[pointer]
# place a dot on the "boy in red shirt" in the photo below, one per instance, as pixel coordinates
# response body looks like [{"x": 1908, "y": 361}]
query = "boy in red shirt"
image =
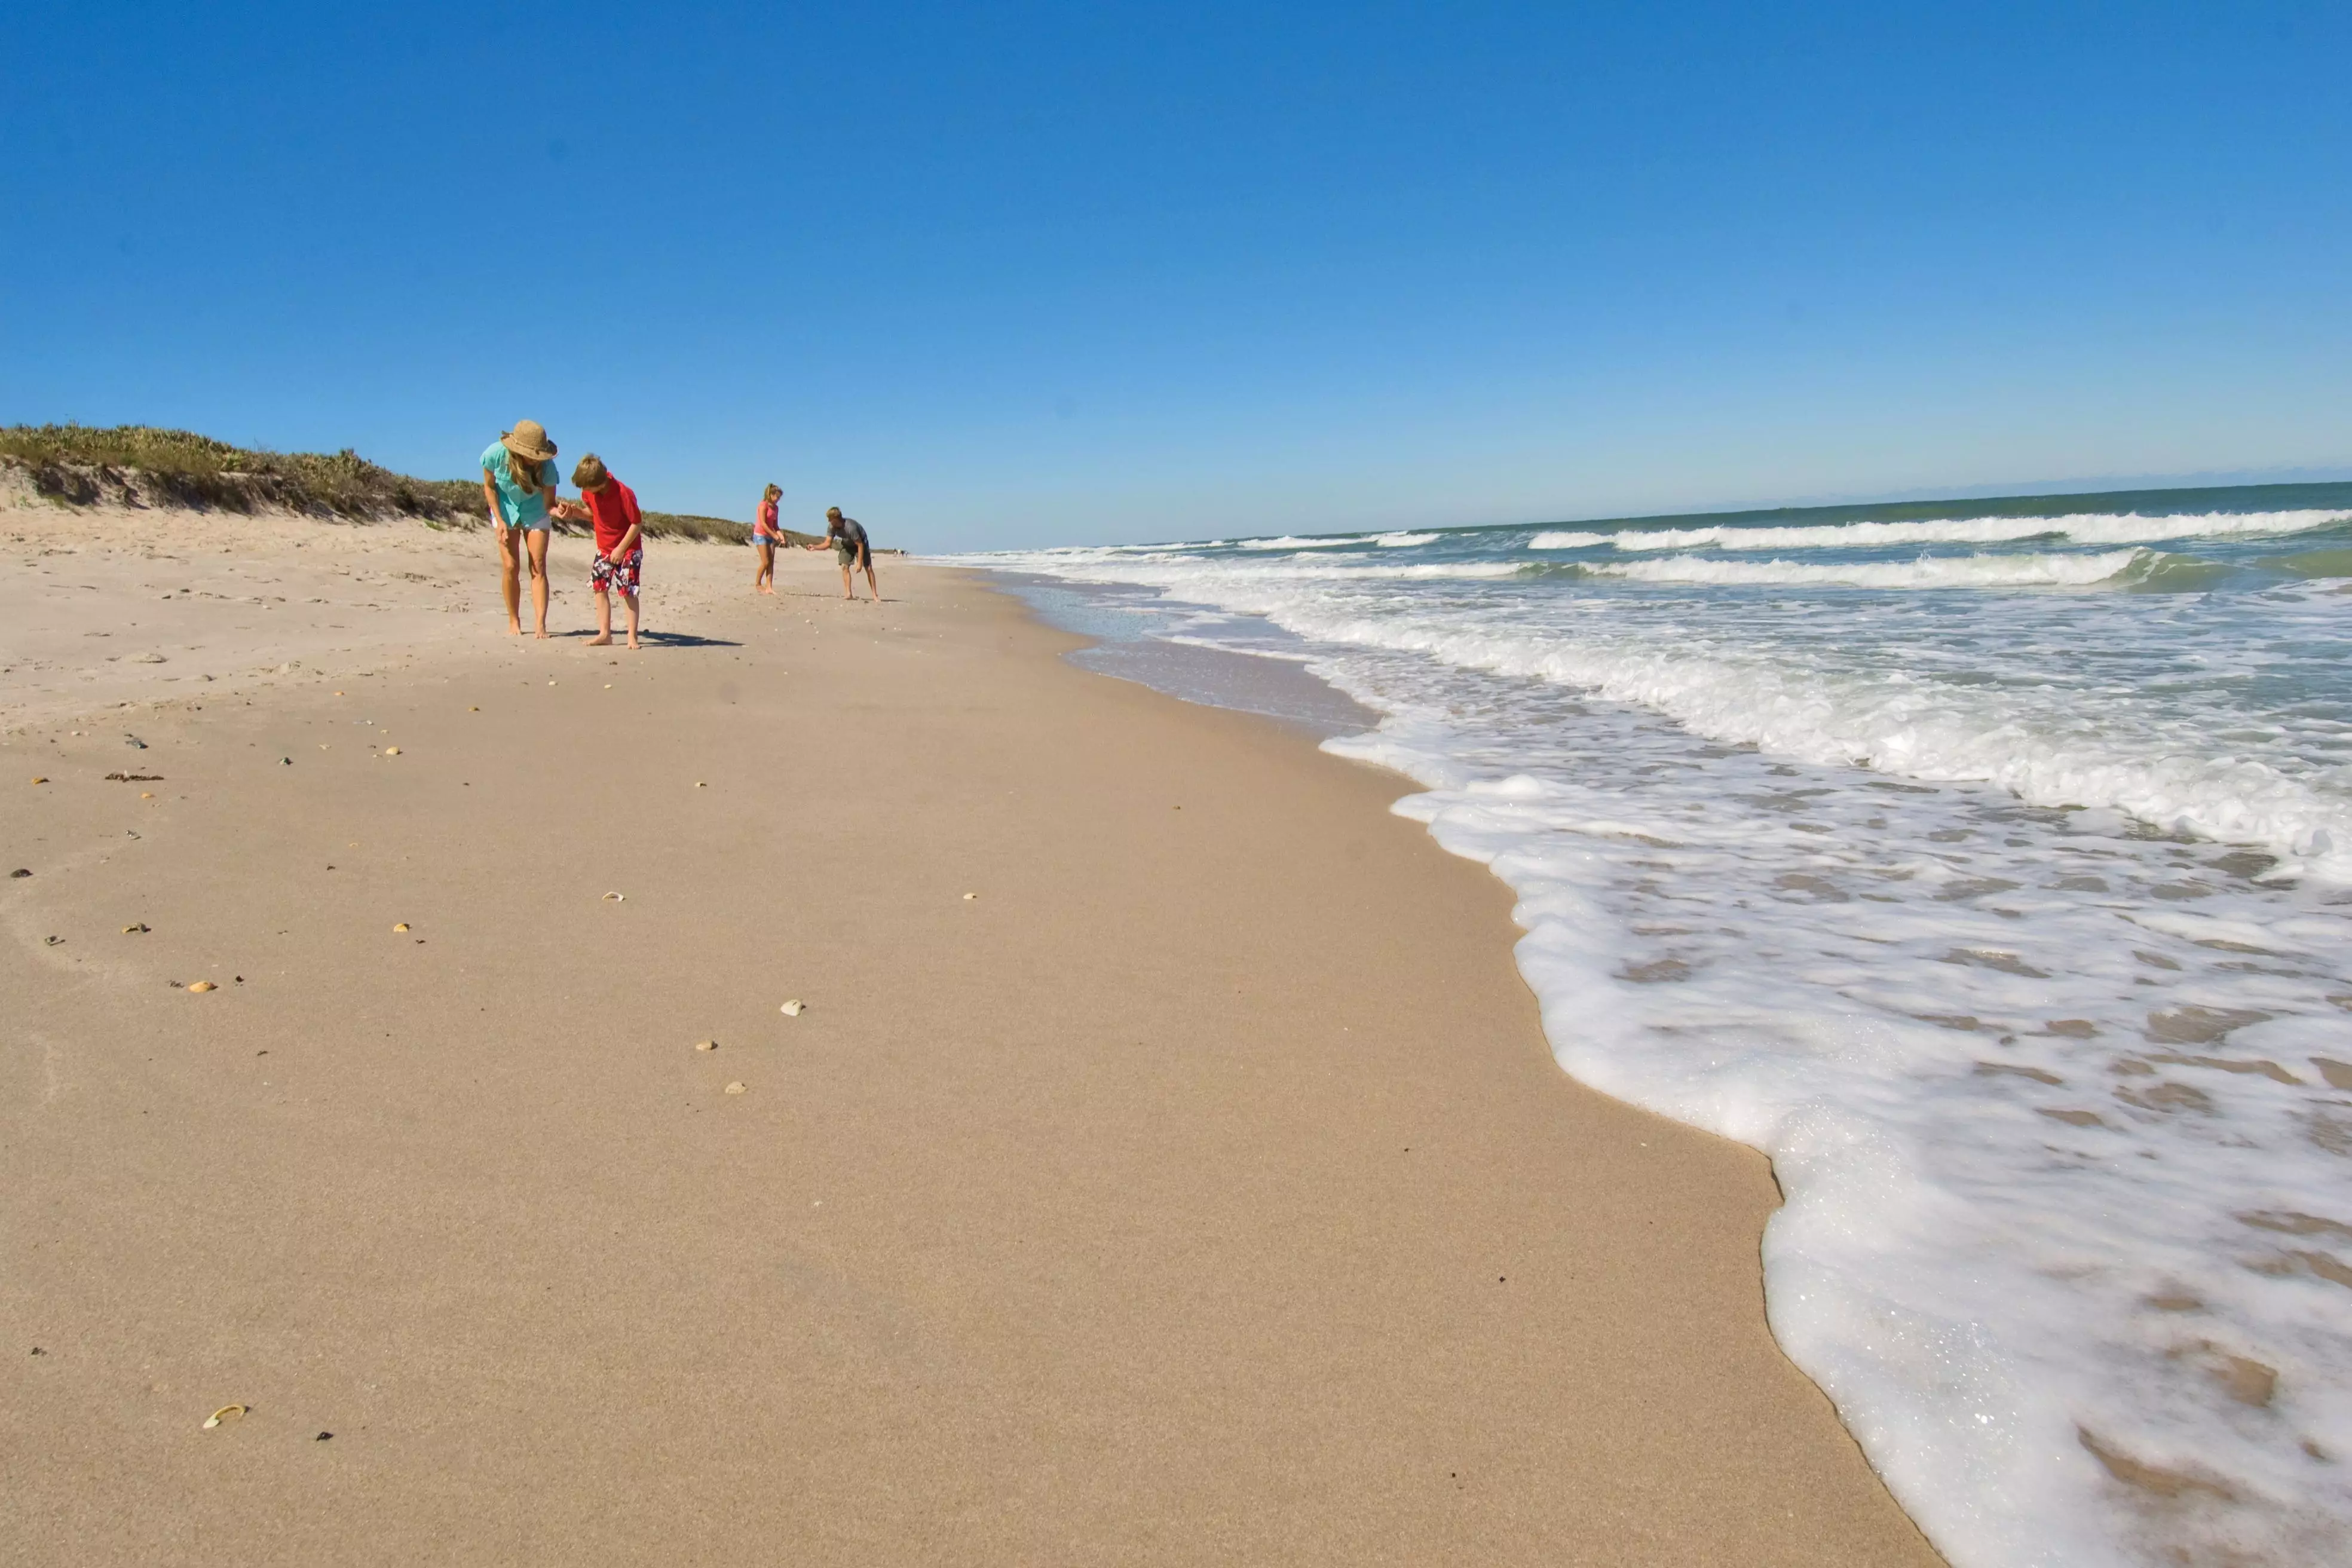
[{"x": 620, "y": 554}]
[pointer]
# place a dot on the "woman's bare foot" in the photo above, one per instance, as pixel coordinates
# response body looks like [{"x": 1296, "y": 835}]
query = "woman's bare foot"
[{"x": 604, "y": 641}]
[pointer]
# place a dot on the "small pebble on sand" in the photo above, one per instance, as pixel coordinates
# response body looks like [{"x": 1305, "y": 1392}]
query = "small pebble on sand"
[{"x": 734, "y": 1088}]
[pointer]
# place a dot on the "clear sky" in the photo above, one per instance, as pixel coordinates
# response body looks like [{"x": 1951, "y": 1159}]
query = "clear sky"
[{"x": 1004, "y": 273}]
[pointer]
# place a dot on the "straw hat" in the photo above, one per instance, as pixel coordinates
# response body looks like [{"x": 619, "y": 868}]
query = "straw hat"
[{"x": 528, "y": 440}]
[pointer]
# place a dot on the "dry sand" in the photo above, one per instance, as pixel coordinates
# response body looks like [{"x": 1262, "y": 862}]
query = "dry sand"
[{"x": 1201, "y": 1192}]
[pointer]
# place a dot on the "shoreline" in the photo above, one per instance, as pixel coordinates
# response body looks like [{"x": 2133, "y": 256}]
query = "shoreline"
[{"x": 1204, "y": 1190}]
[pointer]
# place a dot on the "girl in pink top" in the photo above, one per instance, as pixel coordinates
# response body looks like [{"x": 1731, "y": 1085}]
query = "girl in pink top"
[{"x": 765, "y": 536}]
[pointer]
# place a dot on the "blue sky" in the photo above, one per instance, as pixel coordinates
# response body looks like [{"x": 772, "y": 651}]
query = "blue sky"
[{"x": 1009, "y": 274}]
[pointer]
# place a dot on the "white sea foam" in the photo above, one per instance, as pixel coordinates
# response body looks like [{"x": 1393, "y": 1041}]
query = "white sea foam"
[
  {"x": 1568, "y": 541},
  {"x": 2053, "y": 1186},
  {"x": 2080, "y": 529},
  {"x": 1403, "y": 540},
  {"x": 1288, "y": 543},
  {"x": 1926, "y": 572}
]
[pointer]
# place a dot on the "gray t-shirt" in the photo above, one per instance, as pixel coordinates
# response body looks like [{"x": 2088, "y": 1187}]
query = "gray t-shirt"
[{"x": 848, "y": 534}]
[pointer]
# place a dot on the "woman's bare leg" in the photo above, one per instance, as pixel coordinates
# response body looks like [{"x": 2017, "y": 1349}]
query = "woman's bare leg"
[
  {"x": 538, "y": 542},
  {"x": 510, "y": 578}
]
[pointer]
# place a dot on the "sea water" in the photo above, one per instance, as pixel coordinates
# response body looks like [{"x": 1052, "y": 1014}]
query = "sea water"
[{"x": 1993, "y": 874}]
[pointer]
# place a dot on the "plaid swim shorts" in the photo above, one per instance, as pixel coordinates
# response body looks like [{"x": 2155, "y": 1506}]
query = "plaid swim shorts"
[{"x": 605, "y": 575}]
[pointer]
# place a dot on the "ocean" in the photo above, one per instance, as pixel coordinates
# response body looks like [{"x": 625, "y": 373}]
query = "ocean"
[{"x": 1986, "y": 864}]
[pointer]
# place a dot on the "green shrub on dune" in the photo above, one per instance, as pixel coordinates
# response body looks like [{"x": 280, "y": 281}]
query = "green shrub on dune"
[{"x": 141, "y": 466}]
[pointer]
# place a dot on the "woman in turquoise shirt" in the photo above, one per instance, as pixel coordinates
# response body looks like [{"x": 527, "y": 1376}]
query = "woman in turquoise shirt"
[{"x": 519, "y": 481}]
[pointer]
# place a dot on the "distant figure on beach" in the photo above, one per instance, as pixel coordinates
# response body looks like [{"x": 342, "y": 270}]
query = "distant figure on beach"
[
  {"x": 620, "y": 544},
  {"x": 850, "y": 548},
  {"x": 766, "y": 537},
  {"x": 519, "y": 481}
]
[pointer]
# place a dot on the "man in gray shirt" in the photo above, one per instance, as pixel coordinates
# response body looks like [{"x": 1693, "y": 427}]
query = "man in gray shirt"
[{"x": 850, "y": 548}]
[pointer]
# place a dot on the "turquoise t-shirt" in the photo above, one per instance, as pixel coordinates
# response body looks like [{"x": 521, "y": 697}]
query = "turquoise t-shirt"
[{"x": 518, "y": 509}]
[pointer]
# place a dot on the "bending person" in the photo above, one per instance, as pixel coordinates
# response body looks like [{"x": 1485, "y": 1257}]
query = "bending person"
[
  {"x": 519, "y": 481},
  {"x": 850, "y": 550},
  {"x": 611, "y": 507},
  {"x": 767, "y": 536}
]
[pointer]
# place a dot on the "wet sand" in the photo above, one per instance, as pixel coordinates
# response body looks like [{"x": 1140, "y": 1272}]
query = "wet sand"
[{"x": 1204, "y": 1190}]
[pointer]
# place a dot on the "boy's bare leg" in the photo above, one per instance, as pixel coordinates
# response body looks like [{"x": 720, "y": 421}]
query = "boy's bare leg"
[
  {"x": 604, "y": 637},
  {"x": 631, "y": 600},
  {"x": 509, "y": 579},
  {"x": 538, "y": 542}
]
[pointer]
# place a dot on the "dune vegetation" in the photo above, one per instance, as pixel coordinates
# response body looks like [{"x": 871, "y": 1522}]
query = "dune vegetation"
[{"x": 140, "y": 465}]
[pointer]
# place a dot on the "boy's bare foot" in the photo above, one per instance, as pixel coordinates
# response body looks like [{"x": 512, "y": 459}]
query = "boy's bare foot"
[
  {"x": 604, "y": 641},
  {"x": 636, "y": 647}
]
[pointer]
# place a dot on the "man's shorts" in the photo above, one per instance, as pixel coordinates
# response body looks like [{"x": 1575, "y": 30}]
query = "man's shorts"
[
  {"x": 848, "y": 556},
  {"x": 605, "y": 575}
]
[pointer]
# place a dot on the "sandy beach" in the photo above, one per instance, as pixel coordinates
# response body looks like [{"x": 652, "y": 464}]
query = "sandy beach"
[{"x": 1166, "y": 1165}]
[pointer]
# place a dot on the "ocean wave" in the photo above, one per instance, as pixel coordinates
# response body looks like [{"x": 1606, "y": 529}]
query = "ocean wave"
[
  {"x": 1288, "y": 543},
  {"x": 1403, "y": 540},
  {"x": 2087, "y": 528},
  {"x": 1927, "y": 572},
  {"x": 2313, "y": 564},
  {"x": 1558, "y": 541}
]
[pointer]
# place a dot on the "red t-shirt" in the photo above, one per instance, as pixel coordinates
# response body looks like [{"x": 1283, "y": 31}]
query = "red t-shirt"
[{"x": 615, "y": 509}]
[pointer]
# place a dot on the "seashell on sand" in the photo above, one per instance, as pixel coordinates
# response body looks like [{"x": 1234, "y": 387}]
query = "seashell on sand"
[
  {"x": 791, "y": 1009},
  {"x": 204, "y": 986}
]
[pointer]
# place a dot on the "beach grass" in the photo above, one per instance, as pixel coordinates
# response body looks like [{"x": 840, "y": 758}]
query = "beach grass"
[{"x": 82, "y": 465}]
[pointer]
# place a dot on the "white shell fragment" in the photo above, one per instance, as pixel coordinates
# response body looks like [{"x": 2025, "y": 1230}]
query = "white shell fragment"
[
  {"x": 735, "y": 1089},
  {"x": 224, "y": 1415},
  {"x": 791, "y": 1009},
  {"x": 614, "y": 897},
  {"x": 706, "y": 1044}
]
